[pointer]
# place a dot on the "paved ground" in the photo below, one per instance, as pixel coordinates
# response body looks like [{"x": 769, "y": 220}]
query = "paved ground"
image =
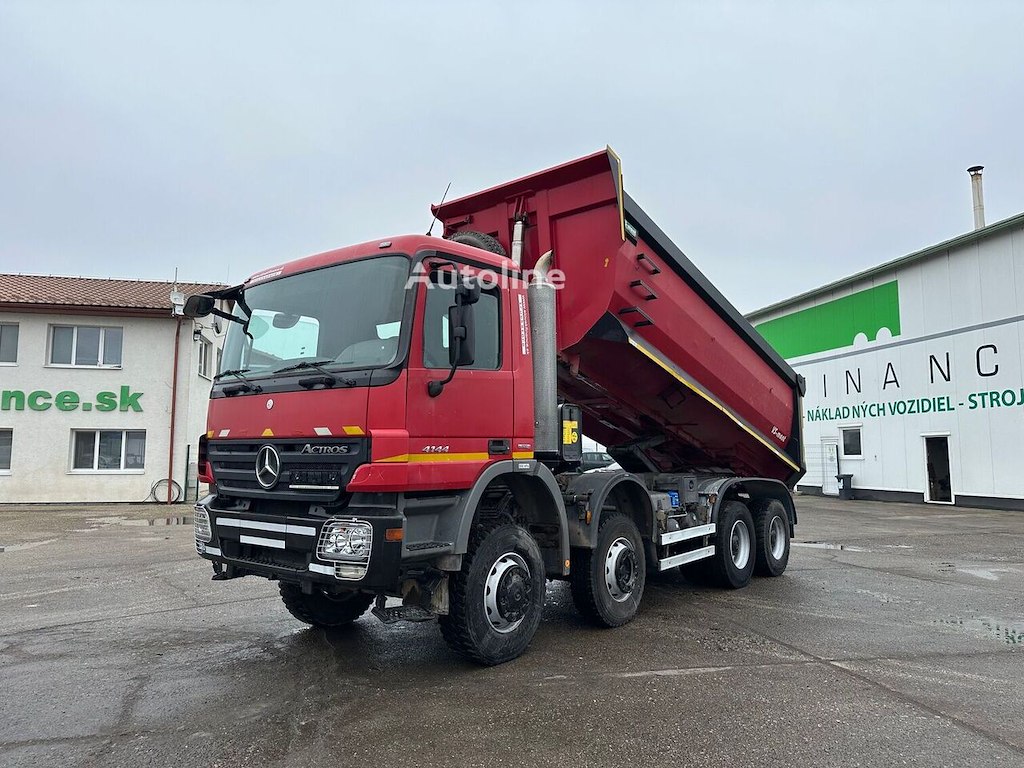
[{"x": 895, "y": 638}]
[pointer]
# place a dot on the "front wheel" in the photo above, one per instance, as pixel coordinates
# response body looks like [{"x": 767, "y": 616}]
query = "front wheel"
[
  {"x": 495, "y": 601},
  {"x": 734, "y": 558},
  {"x": 608, "y": 581},
  {"x": 324, "y": 609}
]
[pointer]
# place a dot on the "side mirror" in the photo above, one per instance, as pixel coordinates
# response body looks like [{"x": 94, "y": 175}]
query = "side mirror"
[
  {"x": 199, "y": 305},
  {"x": 469, "y": 292},
  {"x": 461, "y": 335}
]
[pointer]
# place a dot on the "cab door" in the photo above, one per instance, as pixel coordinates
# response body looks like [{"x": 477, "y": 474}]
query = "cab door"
[{"x": 470, "y": 423}]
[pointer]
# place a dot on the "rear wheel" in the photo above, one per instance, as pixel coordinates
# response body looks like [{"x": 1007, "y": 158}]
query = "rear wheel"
[
  {"x": 608, "y": 581},
  {"x": 771, "y": 527},
  {"x": 733, "y": 562},
  {"x": 323, "y": 609},
  {"x": 495, "y": 601}
]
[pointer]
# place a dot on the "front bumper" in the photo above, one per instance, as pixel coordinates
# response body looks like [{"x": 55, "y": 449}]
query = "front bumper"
[{"x": 285, "y": 548}]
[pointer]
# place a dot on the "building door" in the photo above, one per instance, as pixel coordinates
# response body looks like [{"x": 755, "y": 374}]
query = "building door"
[
  {"x": 936, "y": 451},
  {"x": 829, "y": 466}
]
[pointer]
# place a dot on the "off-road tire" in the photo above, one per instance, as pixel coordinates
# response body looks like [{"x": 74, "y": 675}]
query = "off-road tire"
[
  {"x": 764, "y": 513},
  {"x": 466, "y": 629},
  {"x": 723, "y": 569},
  {"x": 590, "y": 591},
  {"x": 478, "y": 240},
  {"x": 323, "y": 610}
]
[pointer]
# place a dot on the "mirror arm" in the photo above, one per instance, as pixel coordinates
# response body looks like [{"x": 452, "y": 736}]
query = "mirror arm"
[
  {"x": 227, "y": 316},
  {"x": 434, "y": 388}
]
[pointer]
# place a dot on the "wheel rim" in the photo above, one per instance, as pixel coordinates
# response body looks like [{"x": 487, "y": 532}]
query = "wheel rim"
[
  {"x": 508, "y": 593},
  {"x": 777, "y": 538},
  {"x": 739, "y": 544},
  {"x": 620, "y": 569}
]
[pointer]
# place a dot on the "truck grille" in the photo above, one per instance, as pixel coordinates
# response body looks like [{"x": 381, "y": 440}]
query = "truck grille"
[{"x": 303, "y": 474}]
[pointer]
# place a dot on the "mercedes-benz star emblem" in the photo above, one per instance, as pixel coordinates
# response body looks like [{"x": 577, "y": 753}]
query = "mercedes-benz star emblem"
[{"x": 268, "y": 466}]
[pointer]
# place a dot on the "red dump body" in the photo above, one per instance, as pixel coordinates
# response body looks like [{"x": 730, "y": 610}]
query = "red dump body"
[{"x": 669, "y": 375}]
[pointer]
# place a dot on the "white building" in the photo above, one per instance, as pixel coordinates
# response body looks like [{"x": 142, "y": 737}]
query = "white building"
[
  {"x": 91, "y": 372},
  {"x": 914, "y": 376}
]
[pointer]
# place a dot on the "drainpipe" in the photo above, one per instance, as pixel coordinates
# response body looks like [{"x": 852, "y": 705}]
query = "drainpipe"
[
  {"x": 174, "y": 408},
  {"x": 979, "y": 201}
]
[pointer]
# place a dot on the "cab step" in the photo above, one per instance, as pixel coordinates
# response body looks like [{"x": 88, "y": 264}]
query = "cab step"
[{"x": 400, "y": 613}]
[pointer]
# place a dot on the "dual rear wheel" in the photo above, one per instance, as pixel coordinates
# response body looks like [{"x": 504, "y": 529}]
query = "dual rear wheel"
[{"x": 747, "y": 541}]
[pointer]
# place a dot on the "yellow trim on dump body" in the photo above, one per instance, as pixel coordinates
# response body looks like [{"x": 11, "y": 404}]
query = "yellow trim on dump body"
[{"x": 720, "y": 406}]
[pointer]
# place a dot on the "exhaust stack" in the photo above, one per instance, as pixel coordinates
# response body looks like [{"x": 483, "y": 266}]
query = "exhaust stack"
[
  {"x": 517, "y": 241},
  {"x": 979, "y": 200},
  {"x": 541, "y": 296}
]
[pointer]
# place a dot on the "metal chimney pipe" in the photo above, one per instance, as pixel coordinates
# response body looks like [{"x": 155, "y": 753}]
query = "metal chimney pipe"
[{"x": 979, "y": 200}]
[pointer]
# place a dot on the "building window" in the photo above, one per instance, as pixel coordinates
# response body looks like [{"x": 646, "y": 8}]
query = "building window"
[
  {"x": 8, "y": 342},
  {"x": 851, "y": 442},
  {"x": 108, "y": 450},
  {"x": 86, "y": 345},
  {"x": 205, "y": 357},
  {"x": 6, "y": 440}
]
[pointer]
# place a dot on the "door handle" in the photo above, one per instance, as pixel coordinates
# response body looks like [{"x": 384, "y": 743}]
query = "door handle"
[{"x": 498, "y": 446}]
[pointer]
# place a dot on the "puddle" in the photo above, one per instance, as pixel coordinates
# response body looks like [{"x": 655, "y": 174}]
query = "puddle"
[
  {"x": 827, "y": 545},
  {"x": 981, "y": 573},
  {"x": 1010, "y": 632},
  {"x": 155, "y": 522}
]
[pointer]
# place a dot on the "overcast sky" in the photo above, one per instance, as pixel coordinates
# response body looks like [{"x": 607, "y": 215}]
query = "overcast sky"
[{"x": 780, "y": 145}]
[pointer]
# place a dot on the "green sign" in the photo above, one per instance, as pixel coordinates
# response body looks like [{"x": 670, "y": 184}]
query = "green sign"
[
  {"x": 43, "y": 400},
  {"x": 835, "y": 324}
]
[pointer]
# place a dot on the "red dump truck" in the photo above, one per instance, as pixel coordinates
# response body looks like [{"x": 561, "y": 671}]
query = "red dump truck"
[{"x": 403, "y": 418}]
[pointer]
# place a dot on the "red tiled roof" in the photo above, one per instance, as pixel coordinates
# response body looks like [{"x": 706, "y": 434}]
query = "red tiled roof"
[{"x": 92, "y": 291}]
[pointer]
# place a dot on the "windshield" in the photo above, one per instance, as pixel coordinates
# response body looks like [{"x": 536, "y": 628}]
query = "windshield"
[{"x": 348, "y": 316}]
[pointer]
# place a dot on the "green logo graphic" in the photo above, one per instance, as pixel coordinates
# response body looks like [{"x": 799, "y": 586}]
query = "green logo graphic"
[
  {"x": 42, "y": 400},
  {"x": 835, "y": 324}
]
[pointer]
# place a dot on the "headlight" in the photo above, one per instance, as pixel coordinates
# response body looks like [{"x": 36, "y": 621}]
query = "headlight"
[
  {"x": 345, "y": 540},
  {"x": 201, "y": 524}
]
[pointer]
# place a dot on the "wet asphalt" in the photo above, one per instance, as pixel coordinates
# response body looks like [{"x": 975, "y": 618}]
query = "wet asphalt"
[{"x": 896, "y": 637}]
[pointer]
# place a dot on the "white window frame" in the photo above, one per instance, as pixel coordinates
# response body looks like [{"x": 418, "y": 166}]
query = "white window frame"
[
  {"x": 74, "y": 346},
  {"x": 842, "y": 442},
  {"x": 96, "y": 453},
  {"x": 8, "y": 470},
  {"x": 13, "y": 362},
  {"x": 205, "y": 358}
]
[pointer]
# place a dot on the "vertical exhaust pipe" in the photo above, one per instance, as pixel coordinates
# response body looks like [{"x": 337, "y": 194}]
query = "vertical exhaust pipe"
[
  {"x": 541, "y": 296},
  {"x": 979, "y": 200},
  {"x": 517, "y": 240}
]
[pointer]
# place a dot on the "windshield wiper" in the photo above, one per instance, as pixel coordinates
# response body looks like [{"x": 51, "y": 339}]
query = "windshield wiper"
[
  {"x": 328, "y": 379},
  {"x": 318, "y": 364},
  {"x": 245, "y": 386}
]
